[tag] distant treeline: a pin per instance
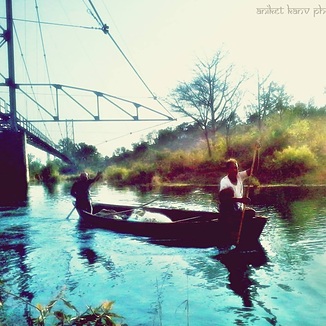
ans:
(293, 150)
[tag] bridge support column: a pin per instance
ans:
(13, 168)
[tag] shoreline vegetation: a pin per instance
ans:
(292, 152)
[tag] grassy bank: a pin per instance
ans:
(292, 151)
(187, 171)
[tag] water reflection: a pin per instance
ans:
(88, 253)
(240, 263)
(14, 250)
(283, 198)
(51, 187)
(41, 251)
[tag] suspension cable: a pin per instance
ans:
(52, 23)
(105, 30)
(45, 58)
(131, 133)
(27, 73)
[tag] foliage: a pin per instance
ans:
(82, 155)
(138, 173)
(141, 174)
(46, 315)
(271, 98)
(50, 172)
(293, 139)
(87, 155)
(292, 150)
(116, 174)
(291, 162)
(35, 166)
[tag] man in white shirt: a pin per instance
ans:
(231, 196)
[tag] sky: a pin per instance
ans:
(163, 40)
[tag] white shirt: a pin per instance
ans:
(238, 188)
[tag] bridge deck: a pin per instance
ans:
(34, 136)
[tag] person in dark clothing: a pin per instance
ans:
(80, 190)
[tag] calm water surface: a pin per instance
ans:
(281, 283)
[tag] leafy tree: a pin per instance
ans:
(140, 148)
(82, 155)
(67, 147)
(50, 173)
(35, 166)
(165, 136)
(88, 156)
(179, 138)
(210, 97)
(121, 154)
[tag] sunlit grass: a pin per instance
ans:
(292, 150)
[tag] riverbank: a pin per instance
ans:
(171, 184)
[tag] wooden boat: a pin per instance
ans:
(187, 227)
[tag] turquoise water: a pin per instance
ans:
(280, 283)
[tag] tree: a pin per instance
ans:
(82, 155)
(88, 156)
(67, 147)
(229, 123)
(35, 166)
(140, 148)
(212, 95)
(271, 98)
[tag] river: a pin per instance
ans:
(282, 283)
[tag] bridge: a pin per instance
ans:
(16, 129)
(33, 135)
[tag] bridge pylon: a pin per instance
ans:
(13, 168)
(13, 162)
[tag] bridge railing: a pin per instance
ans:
(24, 124)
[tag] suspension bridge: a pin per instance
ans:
(69, 104)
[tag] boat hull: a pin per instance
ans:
(189, 227)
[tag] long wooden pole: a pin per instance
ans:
(246, 195)
(71, 212)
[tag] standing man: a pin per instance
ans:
(231, 196)
(232, 200)
(80, 190)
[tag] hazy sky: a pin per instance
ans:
(164, 40)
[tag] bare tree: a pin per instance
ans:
(271, 97)
(210, 97)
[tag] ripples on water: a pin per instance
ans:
(280, 283)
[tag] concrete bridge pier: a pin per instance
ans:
(14, 175)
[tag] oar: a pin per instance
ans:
(71, 212)
(148, 202)
(196, 217)
(187, 219)
(246, 195)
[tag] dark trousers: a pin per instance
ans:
(231, 219)
(84, 204)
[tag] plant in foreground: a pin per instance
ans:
(99, 316)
